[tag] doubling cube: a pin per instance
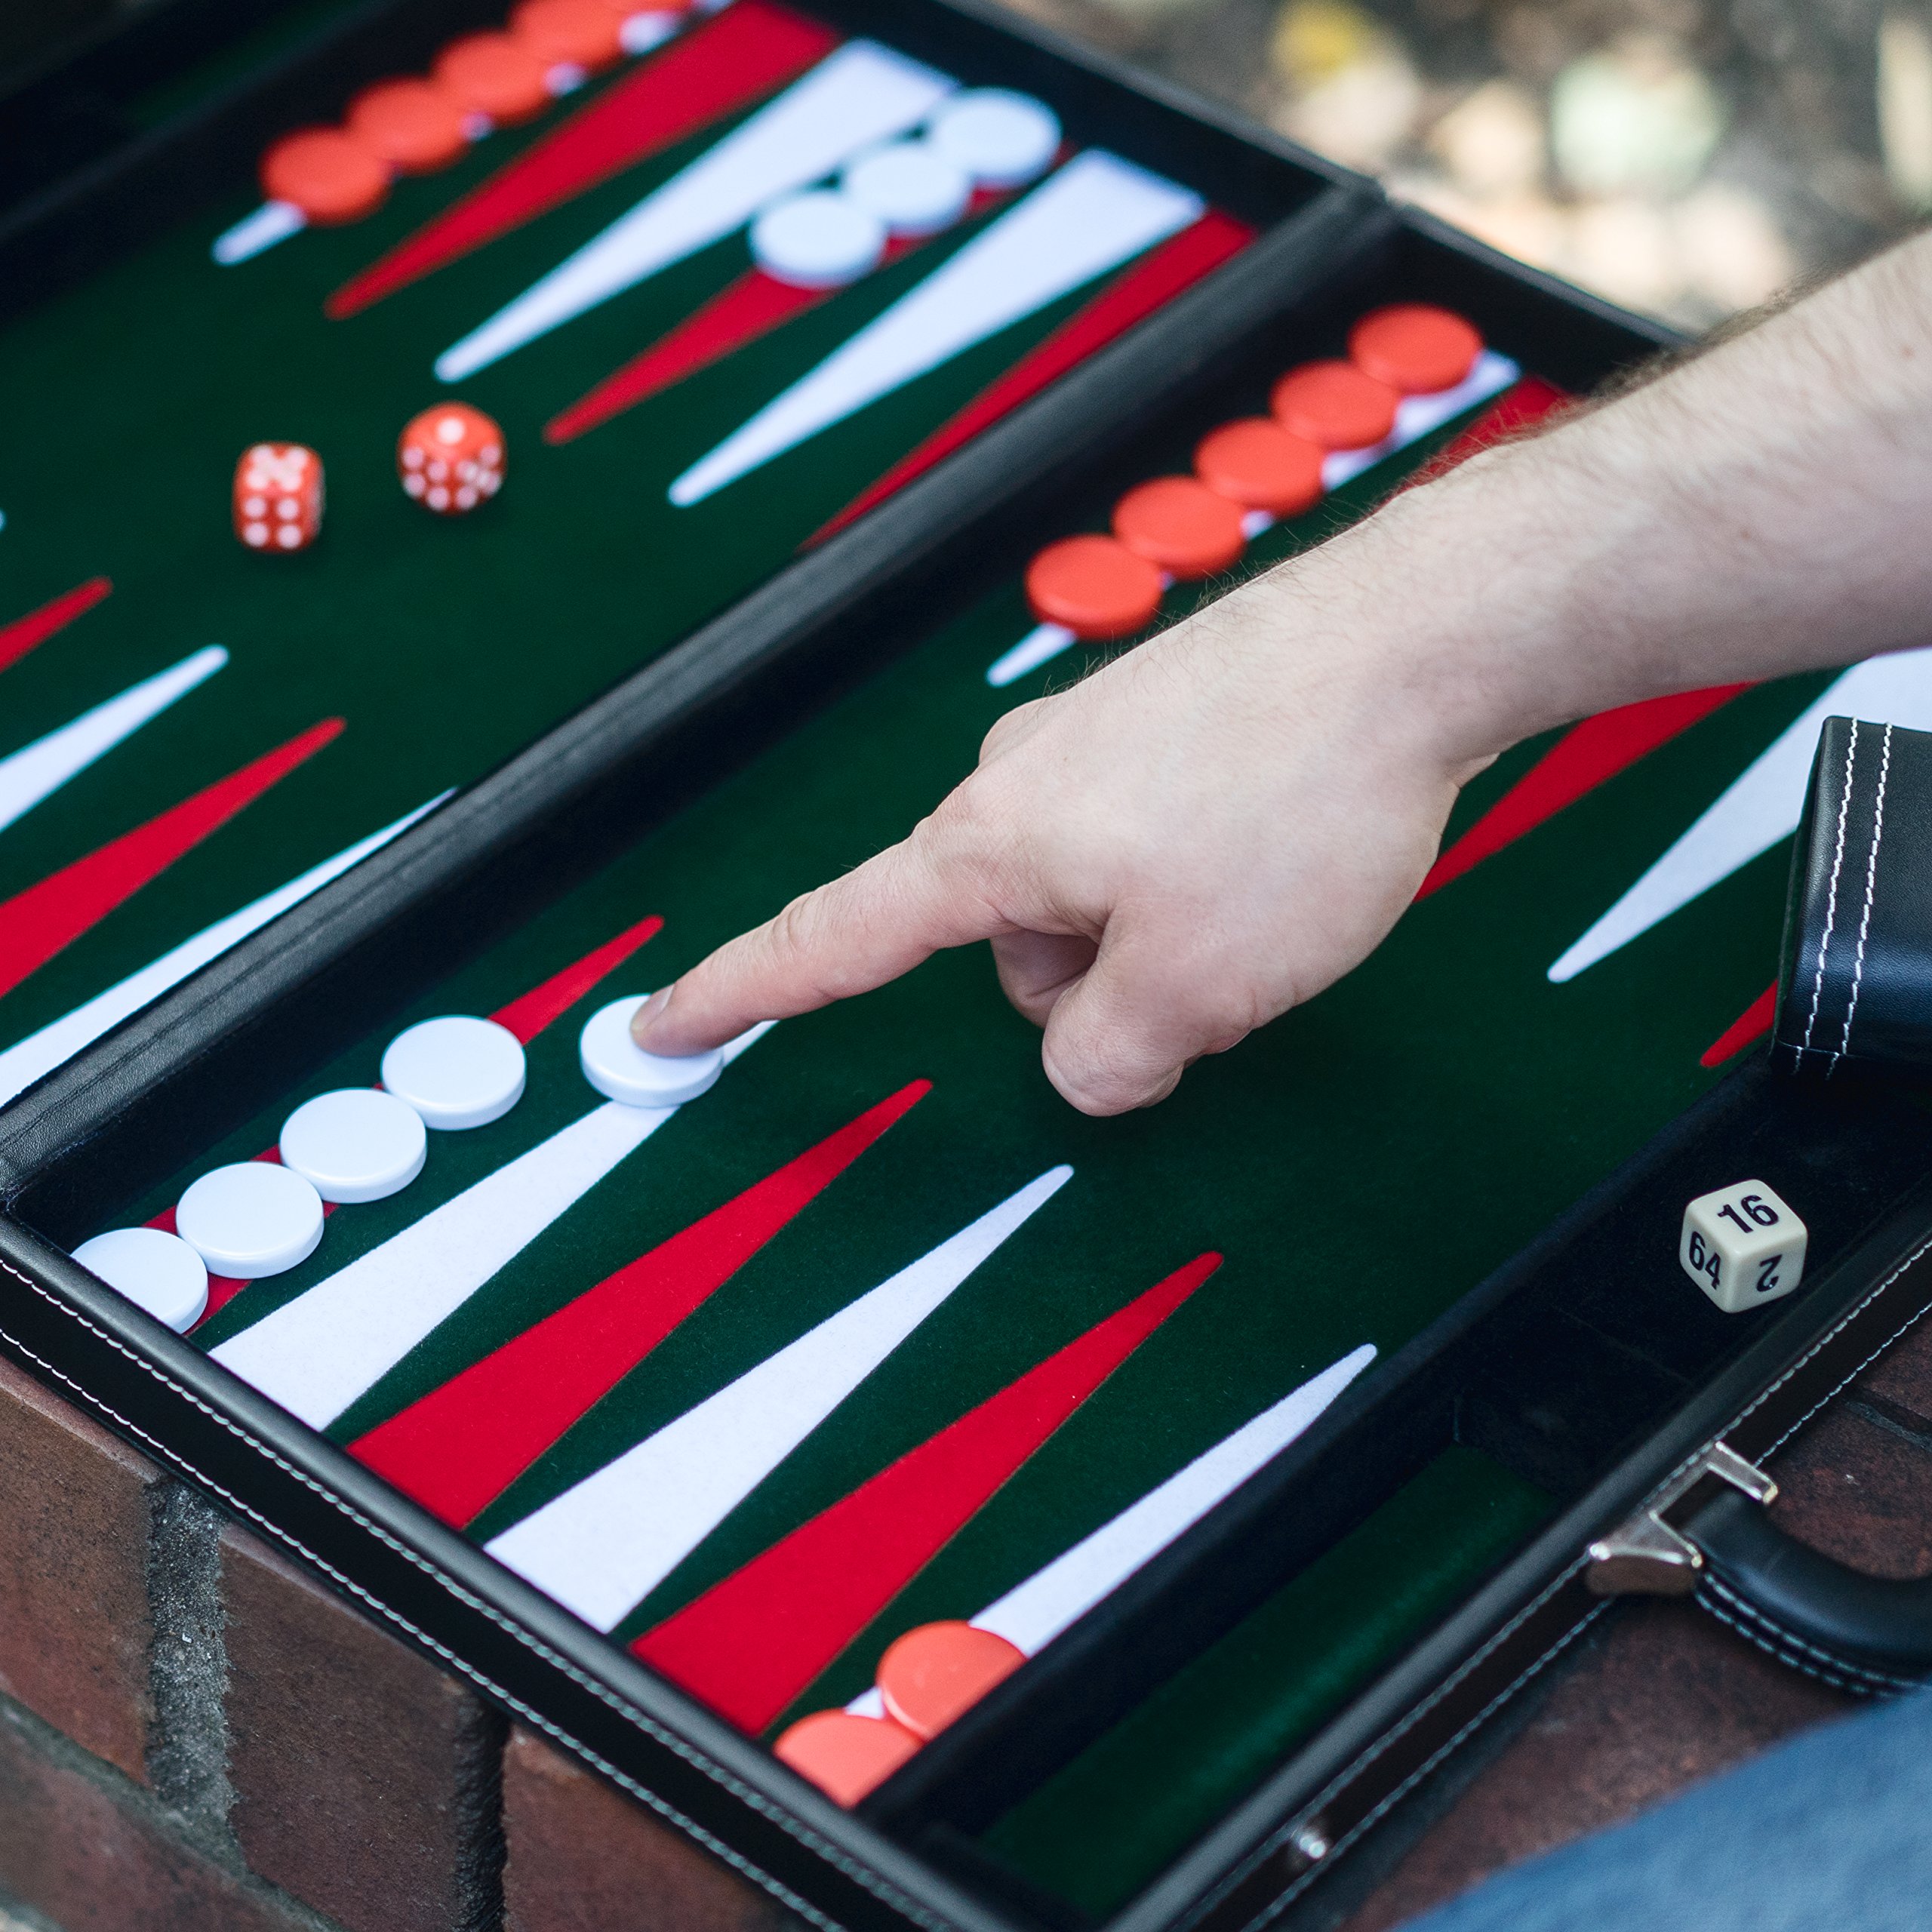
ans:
(1742, 1245)
(450, 458)
(278, 497)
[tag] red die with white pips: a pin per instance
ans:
(450, 458)
(278, 497)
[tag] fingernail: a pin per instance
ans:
(646, 1016)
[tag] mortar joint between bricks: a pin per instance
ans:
(187, 1756)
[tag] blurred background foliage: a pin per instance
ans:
(1689, 157)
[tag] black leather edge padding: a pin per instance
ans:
(1873, 1633)
(1855, 981)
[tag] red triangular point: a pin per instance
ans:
(752, 1644)
(41, 921)
(752, 48)
(1148, 285)
(1587, 755)
(527, 1016)
(1526, 403)
(457, 1450)
(1752, 1024)
(19, 637)
(753, 305)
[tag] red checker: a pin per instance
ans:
(939, 1671)
(1334, 406)
(1179, 523)
(1257, 463)
(845, 1755)
(1095, 585)
(583, 33)
(492, 74)
(1414, 347)
(413, 125)
(328, 173)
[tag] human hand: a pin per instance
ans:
(1200, 836)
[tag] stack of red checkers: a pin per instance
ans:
(414, 126)
(1179, 528)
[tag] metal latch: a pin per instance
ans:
(1645, 1556)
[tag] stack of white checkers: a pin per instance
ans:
(264, 1216)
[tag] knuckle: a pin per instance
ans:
(1010, 726)
(971, 831)
(1097, 1075)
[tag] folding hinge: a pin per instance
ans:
(1645, 1556)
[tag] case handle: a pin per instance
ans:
(1709, 1534)
(1868, 1634)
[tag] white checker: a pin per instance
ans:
(356, 1144)
(253, 1219)
(912, 187)
(621, 1070)
(158, 1272)
(457, 1071)
(1002, 139)
(821, 240)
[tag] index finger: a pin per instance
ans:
(879, 920)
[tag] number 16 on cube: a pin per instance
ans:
(1742, 1245)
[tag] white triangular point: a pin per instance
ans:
(604, 1545)
(1041, 645)
(862, 94)
(31, 774)
(1760, 807)
(1033, 1613)
(334, 1342)
(1097, 213)
(255, 234)
(39, 1054)
(1416, 417)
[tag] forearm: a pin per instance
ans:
(1758, 510)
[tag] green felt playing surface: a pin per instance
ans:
(446, 643)
(1224, 1722)
(1361, 1163)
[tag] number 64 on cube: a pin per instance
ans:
(1742, 1245)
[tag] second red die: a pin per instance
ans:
(450, 458)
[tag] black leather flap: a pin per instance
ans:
(1856, 985)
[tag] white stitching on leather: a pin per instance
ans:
(1282, 1900)
(1871, 886)
(1779, 1640)
(1759, 1640)
(1369, 1753)
(755, 1801)
(1832, 894)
